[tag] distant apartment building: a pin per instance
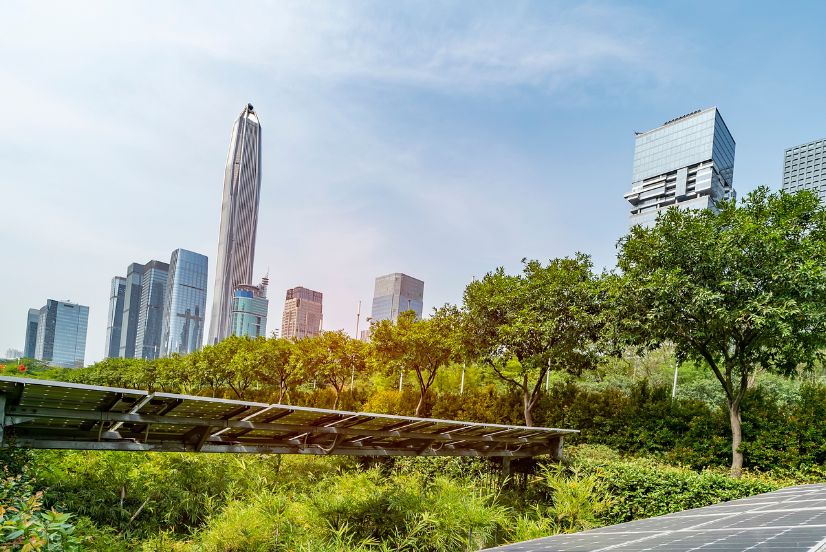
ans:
(150, 318)
(131, 310)
(303, 313)
(184, 303)
(395, 293)
(31, 333)
(804, 168)
(114, 321)
(61, 334)
(687, 162)
(249, 310)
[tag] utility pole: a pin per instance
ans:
(674, 387)
(462, 384)
(358, 316)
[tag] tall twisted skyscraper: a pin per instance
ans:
(239, 219)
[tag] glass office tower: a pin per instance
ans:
(131, 310)
(61, 334)
(114, 323)
(150, 318)
(688, 162)
(804, 168)
(184, 304)
(303, 313)
(249, 310)
(239, 220)
(396, 293)
(31, 333)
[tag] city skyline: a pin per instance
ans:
(441, 143)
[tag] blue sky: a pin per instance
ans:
(438, 139)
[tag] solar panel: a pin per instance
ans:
(791, 520)
(50, 414)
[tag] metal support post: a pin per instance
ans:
(2, 416)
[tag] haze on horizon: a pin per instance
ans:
(441, 140)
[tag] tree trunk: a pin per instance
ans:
(736, 438)
(420, 405)
(528, 407)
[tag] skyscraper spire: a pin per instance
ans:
(239, 220)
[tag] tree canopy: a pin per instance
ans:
(738, 290)
(547, 318)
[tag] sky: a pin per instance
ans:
(438, 139)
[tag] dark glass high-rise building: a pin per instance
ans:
(396, 293)
(184, 304)
(687, 163)
(131, 310)
(150, 318)
(114, 321)
(239, 220)
(61, 334)
(31, 333)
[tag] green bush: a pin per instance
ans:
(24, 523)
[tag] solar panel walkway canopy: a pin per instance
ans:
(789, 520)
(58, 415)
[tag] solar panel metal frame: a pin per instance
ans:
(59, 415)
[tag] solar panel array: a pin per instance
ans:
(51, 414)
(790, 520)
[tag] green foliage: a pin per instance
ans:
(418, 347)
(642, 489)
(736, 291)
(24, 523)
(548, 318)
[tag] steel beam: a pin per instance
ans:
(122, 418)
(177, 446)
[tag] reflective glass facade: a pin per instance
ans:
(150, 318)
(804, 168)
(239, 221)
(303, 313)
(249, 311)
(114, 323)
(61, 334)
(31, 333)
(184, 304)
(688, 162)
(131, 310)
(396, 293)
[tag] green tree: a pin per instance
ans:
(738, 290)
(522, 326)
(332, 358)
(277, 364)
(420, 346)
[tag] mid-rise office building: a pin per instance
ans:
(31, 333)
(150, 318)
(687, 162)
(249, 310)
(61, 334)
(184, 303)
(303, 313)
(804, 168)
(239, 221)
(396, 293)
(131, 311)
(114, 321)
